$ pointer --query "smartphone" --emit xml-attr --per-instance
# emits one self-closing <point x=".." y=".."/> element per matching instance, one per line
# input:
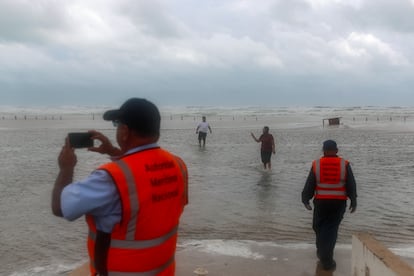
<point x="80" y="139"/>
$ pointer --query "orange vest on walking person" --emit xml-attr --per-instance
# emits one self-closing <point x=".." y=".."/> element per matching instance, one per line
<point x="152" y="185"/>
<point x="330" y="175"/>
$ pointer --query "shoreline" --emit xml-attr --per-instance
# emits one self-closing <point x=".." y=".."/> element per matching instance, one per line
<point x="251" y="258"/>
<point x="256" y="258"/>
<point x="235" y="257"/>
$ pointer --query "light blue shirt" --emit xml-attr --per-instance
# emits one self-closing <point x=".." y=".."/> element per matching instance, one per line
<point x="95" y="195"/>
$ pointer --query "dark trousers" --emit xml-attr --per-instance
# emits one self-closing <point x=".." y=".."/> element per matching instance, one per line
<point x="202" y="136"/>
<point x="327" y="215"/>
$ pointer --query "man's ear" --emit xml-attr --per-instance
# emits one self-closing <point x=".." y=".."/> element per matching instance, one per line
<point x="124" y="133"/>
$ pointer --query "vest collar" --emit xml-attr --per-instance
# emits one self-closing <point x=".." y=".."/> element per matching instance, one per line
<point x="135" y="150"/>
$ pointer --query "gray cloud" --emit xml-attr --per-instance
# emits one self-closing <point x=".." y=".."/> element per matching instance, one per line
<point x="308" y="52"/>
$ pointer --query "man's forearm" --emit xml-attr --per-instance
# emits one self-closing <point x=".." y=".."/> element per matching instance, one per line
<point x="309" y="188"/>
<point x="64" y="178"/>
<point x="351" y="186"/>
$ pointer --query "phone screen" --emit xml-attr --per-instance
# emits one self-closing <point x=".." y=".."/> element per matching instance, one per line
<point x="80" y="139"/>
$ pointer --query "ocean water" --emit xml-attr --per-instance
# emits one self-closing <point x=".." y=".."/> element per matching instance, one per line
<point x="231" y="197"/>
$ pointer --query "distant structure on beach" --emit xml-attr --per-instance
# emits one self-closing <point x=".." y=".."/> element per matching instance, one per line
<point x="332" y="121"/>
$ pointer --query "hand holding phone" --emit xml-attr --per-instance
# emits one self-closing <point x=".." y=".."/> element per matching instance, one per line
<point x="104" y="145"/>
<point x="80" y="140"/>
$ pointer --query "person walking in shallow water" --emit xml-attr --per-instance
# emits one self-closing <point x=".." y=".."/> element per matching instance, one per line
<point x="202" y="129"/>
<point x="330" y="182"/>
<point x="267" y="147"/>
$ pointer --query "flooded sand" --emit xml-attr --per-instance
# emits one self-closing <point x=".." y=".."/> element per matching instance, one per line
<point x="231" y="197"/>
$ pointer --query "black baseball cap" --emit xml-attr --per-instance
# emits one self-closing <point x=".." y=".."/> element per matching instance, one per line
<point x="329" y="145"/>
<point x="138" y="114"/>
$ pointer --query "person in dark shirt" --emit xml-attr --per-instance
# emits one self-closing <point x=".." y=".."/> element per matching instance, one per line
<point x="330" y="183"/>
<point x="267" y="148"/>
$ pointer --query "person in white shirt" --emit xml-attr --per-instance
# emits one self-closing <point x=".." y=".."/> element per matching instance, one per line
<point x="202" y="130"/>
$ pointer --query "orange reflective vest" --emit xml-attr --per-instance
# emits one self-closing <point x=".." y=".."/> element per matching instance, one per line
<point x="152" y="185"/>
<point x="330" y="175"/>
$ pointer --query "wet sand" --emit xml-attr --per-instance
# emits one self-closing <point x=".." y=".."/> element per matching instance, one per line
<point x="268" y="261"/>
<point x="276" y="261"/>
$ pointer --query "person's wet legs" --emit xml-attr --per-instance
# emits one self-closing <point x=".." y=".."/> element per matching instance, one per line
<point x="202" y="138"/>
<point x="265" y="156"/>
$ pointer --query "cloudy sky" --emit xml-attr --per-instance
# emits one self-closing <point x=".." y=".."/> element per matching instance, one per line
<point x="207" y="52"/>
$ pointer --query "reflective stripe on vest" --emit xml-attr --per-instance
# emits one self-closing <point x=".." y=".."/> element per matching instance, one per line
<point x="182" y="168"/>
<point x="133" y="198"/>
<point x="324" y="192"/>
<point x="185" y="176"/>
<point x="138" y="244"/>
<point x="153" y="272"/>
<point x="336" y="190"/>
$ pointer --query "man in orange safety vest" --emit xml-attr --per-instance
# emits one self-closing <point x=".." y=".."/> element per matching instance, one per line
<point x="132" y="204"/>
<point x="330" y="183"/>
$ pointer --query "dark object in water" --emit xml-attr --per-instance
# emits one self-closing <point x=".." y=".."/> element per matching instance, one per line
<point x="332" y="121"/>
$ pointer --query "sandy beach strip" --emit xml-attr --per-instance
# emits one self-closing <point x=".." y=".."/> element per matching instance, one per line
<point x="258" y="259"/>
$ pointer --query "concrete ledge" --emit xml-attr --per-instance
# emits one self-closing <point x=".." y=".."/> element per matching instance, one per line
<point x="371" y="258"/>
